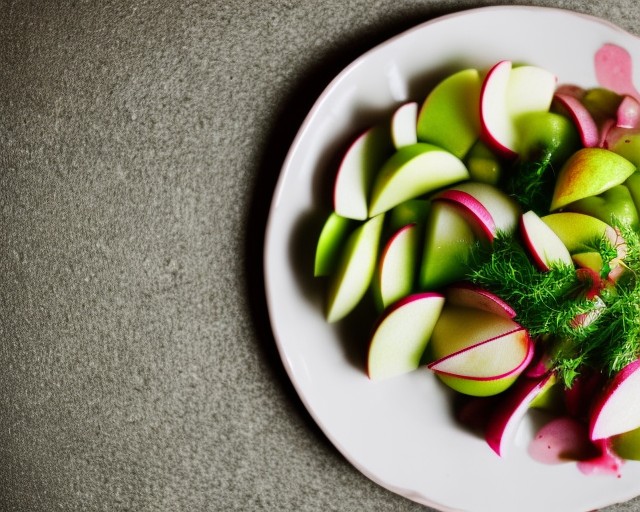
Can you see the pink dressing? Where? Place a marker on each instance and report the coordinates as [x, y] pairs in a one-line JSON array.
[[613, 68], [566, 439]]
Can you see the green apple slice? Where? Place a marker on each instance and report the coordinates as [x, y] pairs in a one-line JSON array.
[[330, 241], [413, 211], [484, 166], [412, 172], [449, 116], [589, 172], [355, 269], [578, 232], [449, 239], [628, 146], [627, 444], [395, 277], [401, 337], [615, 203], [358, 169], [633, 185]]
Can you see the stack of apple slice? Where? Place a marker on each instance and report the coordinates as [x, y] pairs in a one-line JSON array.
[[417, 193]]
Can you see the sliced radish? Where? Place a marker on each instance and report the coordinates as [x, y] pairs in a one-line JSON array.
[[586, 125], [506, 418], [469, 295], [490, 359], [543, 244], [617, 410], [628, 114]]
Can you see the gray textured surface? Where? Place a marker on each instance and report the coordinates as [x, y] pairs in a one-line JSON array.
[[139, 145]]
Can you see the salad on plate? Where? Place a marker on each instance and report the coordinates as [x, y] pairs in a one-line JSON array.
[[494, 228]]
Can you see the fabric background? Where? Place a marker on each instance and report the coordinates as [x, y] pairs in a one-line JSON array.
[[140, 142]]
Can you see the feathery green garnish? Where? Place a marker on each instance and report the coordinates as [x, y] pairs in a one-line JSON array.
[[548, 304]]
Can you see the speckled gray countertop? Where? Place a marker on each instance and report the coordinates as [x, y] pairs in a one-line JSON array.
[[140, 142]]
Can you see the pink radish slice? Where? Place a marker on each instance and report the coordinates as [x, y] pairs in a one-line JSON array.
[[571, 90], [613, 68], [587, 127], [617, 409], [628, 113]]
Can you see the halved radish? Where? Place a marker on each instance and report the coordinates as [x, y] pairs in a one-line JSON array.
[[617, 410]]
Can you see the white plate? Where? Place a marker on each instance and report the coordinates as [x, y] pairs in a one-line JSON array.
[[400, 433]]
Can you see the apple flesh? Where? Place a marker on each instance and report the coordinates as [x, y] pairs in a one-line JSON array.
[[355, 269], [477, 352], [395, 277], [447, 245], [505, 419], [617, 409], [358, 169], [404, 125], [507, 93], [401, 337], [449, 115], [486, 207], [589, 172], [412, 172], [545, 247]]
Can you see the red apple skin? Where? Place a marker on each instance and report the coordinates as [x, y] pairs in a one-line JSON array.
[[512, 408], [602, 400]]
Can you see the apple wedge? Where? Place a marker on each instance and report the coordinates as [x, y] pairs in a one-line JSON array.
[[472, 296], [404, 125], [486, 207], [617, 409], [589, 172], [449, 116], [395, 277], [413, 211], [579, 232], [402, 334], [545, 247], [507, 93], [505, 419], [448, 242], [357, 170], [478, 353], [330, 241], [355, 269], [412, 172]]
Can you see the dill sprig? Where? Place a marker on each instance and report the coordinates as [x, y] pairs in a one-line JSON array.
[[548, 304]]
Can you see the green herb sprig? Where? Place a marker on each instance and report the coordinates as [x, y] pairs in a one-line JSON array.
[[547, 304]]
